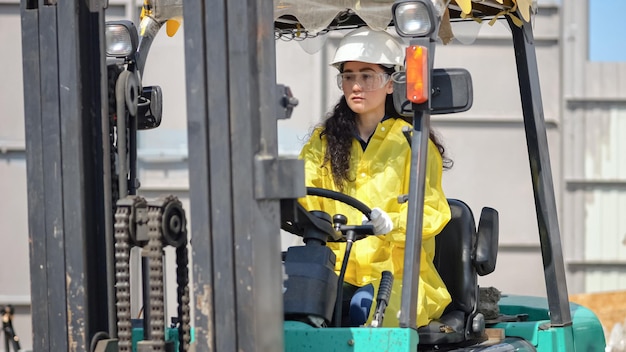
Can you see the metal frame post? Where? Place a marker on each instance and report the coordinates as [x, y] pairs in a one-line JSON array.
[[541, 174], [63, 84], [235, 216], [415, 220]]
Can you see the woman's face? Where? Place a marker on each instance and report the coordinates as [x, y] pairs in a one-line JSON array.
[[365, 87]]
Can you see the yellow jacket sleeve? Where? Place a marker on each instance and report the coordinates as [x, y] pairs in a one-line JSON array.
[[316, 174], [436, 208]]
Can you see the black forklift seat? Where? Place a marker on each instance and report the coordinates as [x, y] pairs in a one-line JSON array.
[[461, 254]]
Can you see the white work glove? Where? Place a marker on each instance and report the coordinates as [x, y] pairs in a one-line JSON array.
[[380, 220]]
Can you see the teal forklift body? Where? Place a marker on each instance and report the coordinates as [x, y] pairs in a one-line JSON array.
[[302, 337], [585, 333]]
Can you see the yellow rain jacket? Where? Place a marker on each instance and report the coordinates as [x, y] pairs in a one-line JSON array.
[[381, 174]]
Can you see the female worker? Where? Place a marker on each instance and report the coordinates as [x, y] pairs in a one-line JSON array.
[[360, 150]]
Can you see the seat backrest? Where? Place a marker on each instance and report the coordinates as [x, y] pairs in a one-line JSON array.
[[462, 253], [454, 253]]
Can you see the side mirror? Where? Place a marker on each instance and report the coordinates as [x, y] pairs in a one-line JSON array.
[[451, 92]]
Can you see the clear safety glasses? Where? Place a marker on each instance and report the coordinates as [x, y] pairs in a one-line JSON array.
[[368, 81]]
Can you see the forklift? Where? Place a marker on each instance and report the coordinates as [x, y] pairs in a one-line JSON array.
[[84, 212]]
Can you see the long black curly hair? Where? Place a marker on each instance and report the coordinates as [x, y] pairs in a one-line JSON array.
[[340, 128]]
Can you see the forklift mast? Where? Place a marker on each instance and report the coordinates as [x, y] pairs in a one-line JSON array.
[[238, 183], [67, 202], [236, 176]]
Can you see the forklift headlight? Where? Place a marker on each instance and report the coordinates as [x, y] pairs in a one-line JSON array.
[[121, 39], [414, 18]]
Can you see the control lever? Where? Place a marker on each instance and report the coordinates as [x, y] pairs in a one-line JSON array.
[[352, 234], [382, 299]]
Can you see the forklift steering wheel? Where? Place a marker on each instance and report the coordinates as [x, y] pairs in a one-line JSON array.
[[287, 220], [344, 198]]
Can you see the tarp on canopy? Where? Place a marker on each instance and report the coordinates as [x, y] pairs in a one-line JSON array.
[[316, 15]]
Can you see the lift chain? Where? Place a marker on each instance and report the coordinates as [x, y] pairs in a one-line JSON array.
[[182, 276], [154, 253], [166, 225], [122, 277], [113, 71], [169, 214]]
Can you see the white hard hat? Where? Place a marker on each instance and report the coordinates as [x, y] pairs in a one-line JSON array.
[[367, 45]]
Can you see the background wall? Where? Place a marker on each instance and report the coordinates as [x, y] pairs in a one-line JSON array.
[[14, 267], [584, 106]]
